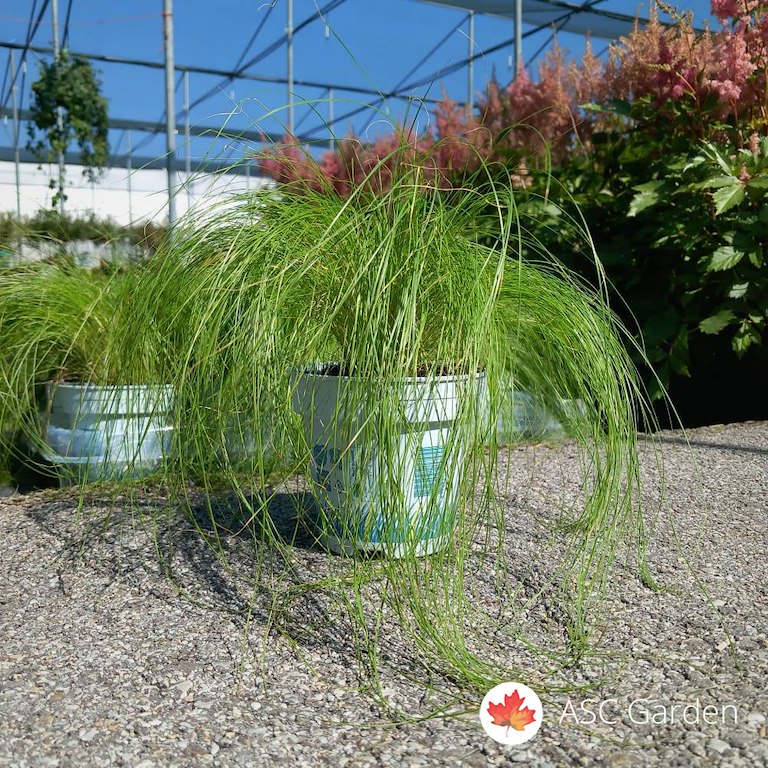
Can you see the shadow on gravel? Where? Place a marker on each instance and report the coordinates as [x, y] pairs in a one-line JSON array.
[[30, 473], [257, 563], [273, 571], [287, 517], [714, 446]]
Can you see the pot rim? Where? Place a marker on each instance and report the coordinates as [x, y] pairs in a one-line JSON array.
[[313, 371], [88, 385]]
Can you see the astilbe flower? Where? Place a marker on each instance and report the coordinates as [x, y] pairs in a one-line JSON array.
[[657, 62], [462, 144], [744, 175], [289, 163], [353, 164], [630, 61], [723, 10], [586, 81], [375, 164], [731, 67], [753, 101], [735, 10], [331, 168], [521, 178], [530, 117], [673, 64]]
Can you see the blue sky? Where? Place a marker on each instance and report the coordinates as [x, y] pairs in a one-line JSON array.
[[376, 44]]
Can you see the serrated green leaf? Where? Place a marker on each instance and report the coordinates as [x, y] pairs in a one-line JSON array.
[[727, 197], [741, 343], [657, 387], [711, 153], [759, 183], [646, 196], [756, 258], [678, 355], [694, 163], [613, 107], [745, 240], [744, 338], [620, 107], [716, 322], [738, 290], [633, 153], [724, 258], [660, 327], [718, 181]]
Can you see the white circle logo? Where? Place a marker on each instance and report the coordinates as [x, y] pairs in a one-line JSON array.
[[511, 713]]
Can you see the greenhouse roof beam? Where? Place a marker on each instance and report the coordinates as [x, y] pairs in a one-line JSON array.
[[567, 16], [242, 167], [218, 72], [144, 126]]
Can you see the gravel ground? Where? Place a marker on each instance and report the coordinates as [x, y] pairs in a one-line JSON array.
[[104, 662]]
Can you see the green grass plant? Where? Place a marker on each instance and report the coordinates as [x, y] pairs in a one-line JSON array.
[[389, 287], [60, 323]]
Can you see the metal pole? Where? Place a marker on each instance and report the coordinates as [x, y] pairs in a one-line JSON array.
[[330, 116], [187, 147], [471, 65], [289, 38], [518, 36], [16, 159], [59, 116], [129, 168], [170, 107]]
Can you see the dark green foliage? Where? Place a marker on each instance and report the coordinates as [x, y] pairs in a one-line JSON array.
[[680, 227], [55, 226]]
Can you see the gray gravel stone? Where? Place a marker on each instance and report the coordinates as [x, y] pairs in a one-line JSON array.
[[109, 657], [718, 745]]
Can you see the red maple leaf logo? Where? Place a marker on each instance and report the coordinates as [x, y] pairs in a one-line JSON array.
[[511, 713]]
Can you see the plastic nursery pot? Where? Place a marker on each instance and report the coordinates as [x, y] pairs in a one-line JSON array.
[[521, 416], [544, 425], [516, 416], [386, 459], [233, 438], [94, 432]]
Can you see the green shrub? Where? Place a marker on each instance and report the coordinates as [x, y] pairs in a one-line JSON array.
[[678, 224], [649, 163], [53, 226]]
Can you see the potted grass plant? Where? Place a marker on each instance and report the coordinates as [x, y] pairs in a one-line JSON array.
[[79, 386], [390, 421], [389, 327], [388, 324], [308, 303]]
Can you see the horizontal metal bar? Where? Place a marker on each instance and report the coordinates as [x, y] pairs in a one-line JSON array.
[[241, 167], [257, 137], [221, 73]]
